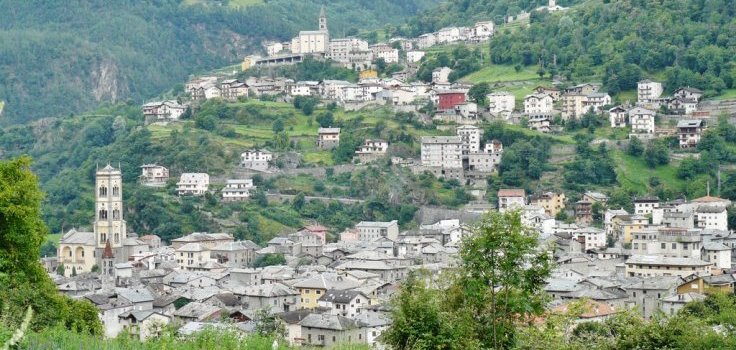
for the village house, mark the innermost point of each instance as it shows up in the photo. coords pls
(304, 88)
(509, 198)
(386, 52)
(371, 150)
(595, 102)
(371, 230)
(208, 240)
(143, 324)
(326, 330)
(688, 93)
(483, 30)
(500, 102)
(583, 212)
(551, 202)
(163, 111)
(711, 217)
(231, 89)
(154, 175)
(553, 92)
(617, 117)
(256, 159)
(344, 50)
(328, 138)
(313, 288)
(536, 105)
(471, 136)
(442, 155)
(657, 265)
(237, 190)
(348, 303)
(540, 123)
(441, 75)
(426, 40)
(645, 205)
(195, 184)
(689, 132)
(448, 35)
(641, 120)
(648, 91)
(414, 56)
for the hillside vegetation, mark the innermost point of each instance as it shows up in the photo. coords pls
(62, 57)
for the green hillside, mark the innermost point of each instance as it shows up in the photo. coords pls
(62, 57)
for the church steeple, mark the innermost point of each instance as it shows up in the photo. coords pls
(109, 222)
(322, 19)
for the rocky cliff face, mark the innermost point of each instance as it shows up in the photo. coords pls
(106, 82)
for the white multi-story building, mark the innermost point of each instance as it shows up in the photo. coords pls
(163, 111)
(648, 90)
(441, 75)
(388, 53)
(256, 159)
(483, 30)
(342, 50)
(712, 217)
(510, 198)
(371, 149)
(471, 136)
(442, 151)
(594, 102)
(237, 190)
(448, 35)
(689, 132)
(195, 184)
(617, 117)
(538, 105)
(414, 56)
(641, 120)
(426, 40)
(371, 230)
(501, 101)
(153, 175)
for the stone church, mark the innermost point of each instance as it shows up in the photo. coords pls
(109, 242)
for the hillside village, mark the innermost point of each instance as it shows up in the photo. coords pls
(330, 287)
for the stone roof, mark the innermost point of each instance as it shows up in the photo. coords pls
(76, 237)
(196, 310)
(511, 192)
(662, 260)
(138, 295)
(341, 296)
(331, 322)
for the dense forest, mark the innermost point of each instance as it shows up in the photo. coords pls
(62, 57)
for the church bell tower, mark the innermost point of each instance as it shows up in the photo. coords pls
(109, 223)
(322, 19)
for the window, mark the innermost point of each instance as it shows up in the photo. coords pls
(664, 245)
(103, 191)
(116, 191)
(103, 214)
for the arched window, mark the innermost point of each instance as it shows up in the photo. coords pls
(116, 191)
(116, 214)
(103, 191)
(117, 238)
(103, 214)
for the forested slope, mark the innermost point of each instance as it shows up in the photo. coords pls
(60, 57)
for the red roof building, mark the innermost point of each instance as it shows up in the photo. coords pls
(450, 99)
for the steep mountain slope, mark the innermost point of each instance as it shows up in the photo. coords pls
(60, 57)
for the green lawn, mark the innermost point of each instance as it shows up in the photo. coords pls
(727, 94)
(634, 174)
(231, 3)
(319, 158)
(501, 73)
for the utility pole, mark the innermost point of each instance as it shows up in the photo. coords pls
(718, 177)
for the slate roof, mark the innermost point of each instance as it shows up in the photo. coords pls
(331, 322)
(341, 296)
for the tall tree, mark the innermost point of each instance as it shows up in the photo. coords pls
(23, 281)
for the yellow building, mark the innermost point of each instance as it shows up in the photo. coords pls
(551, 202)
(313, 288)
(368, 74)
(625, 225)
